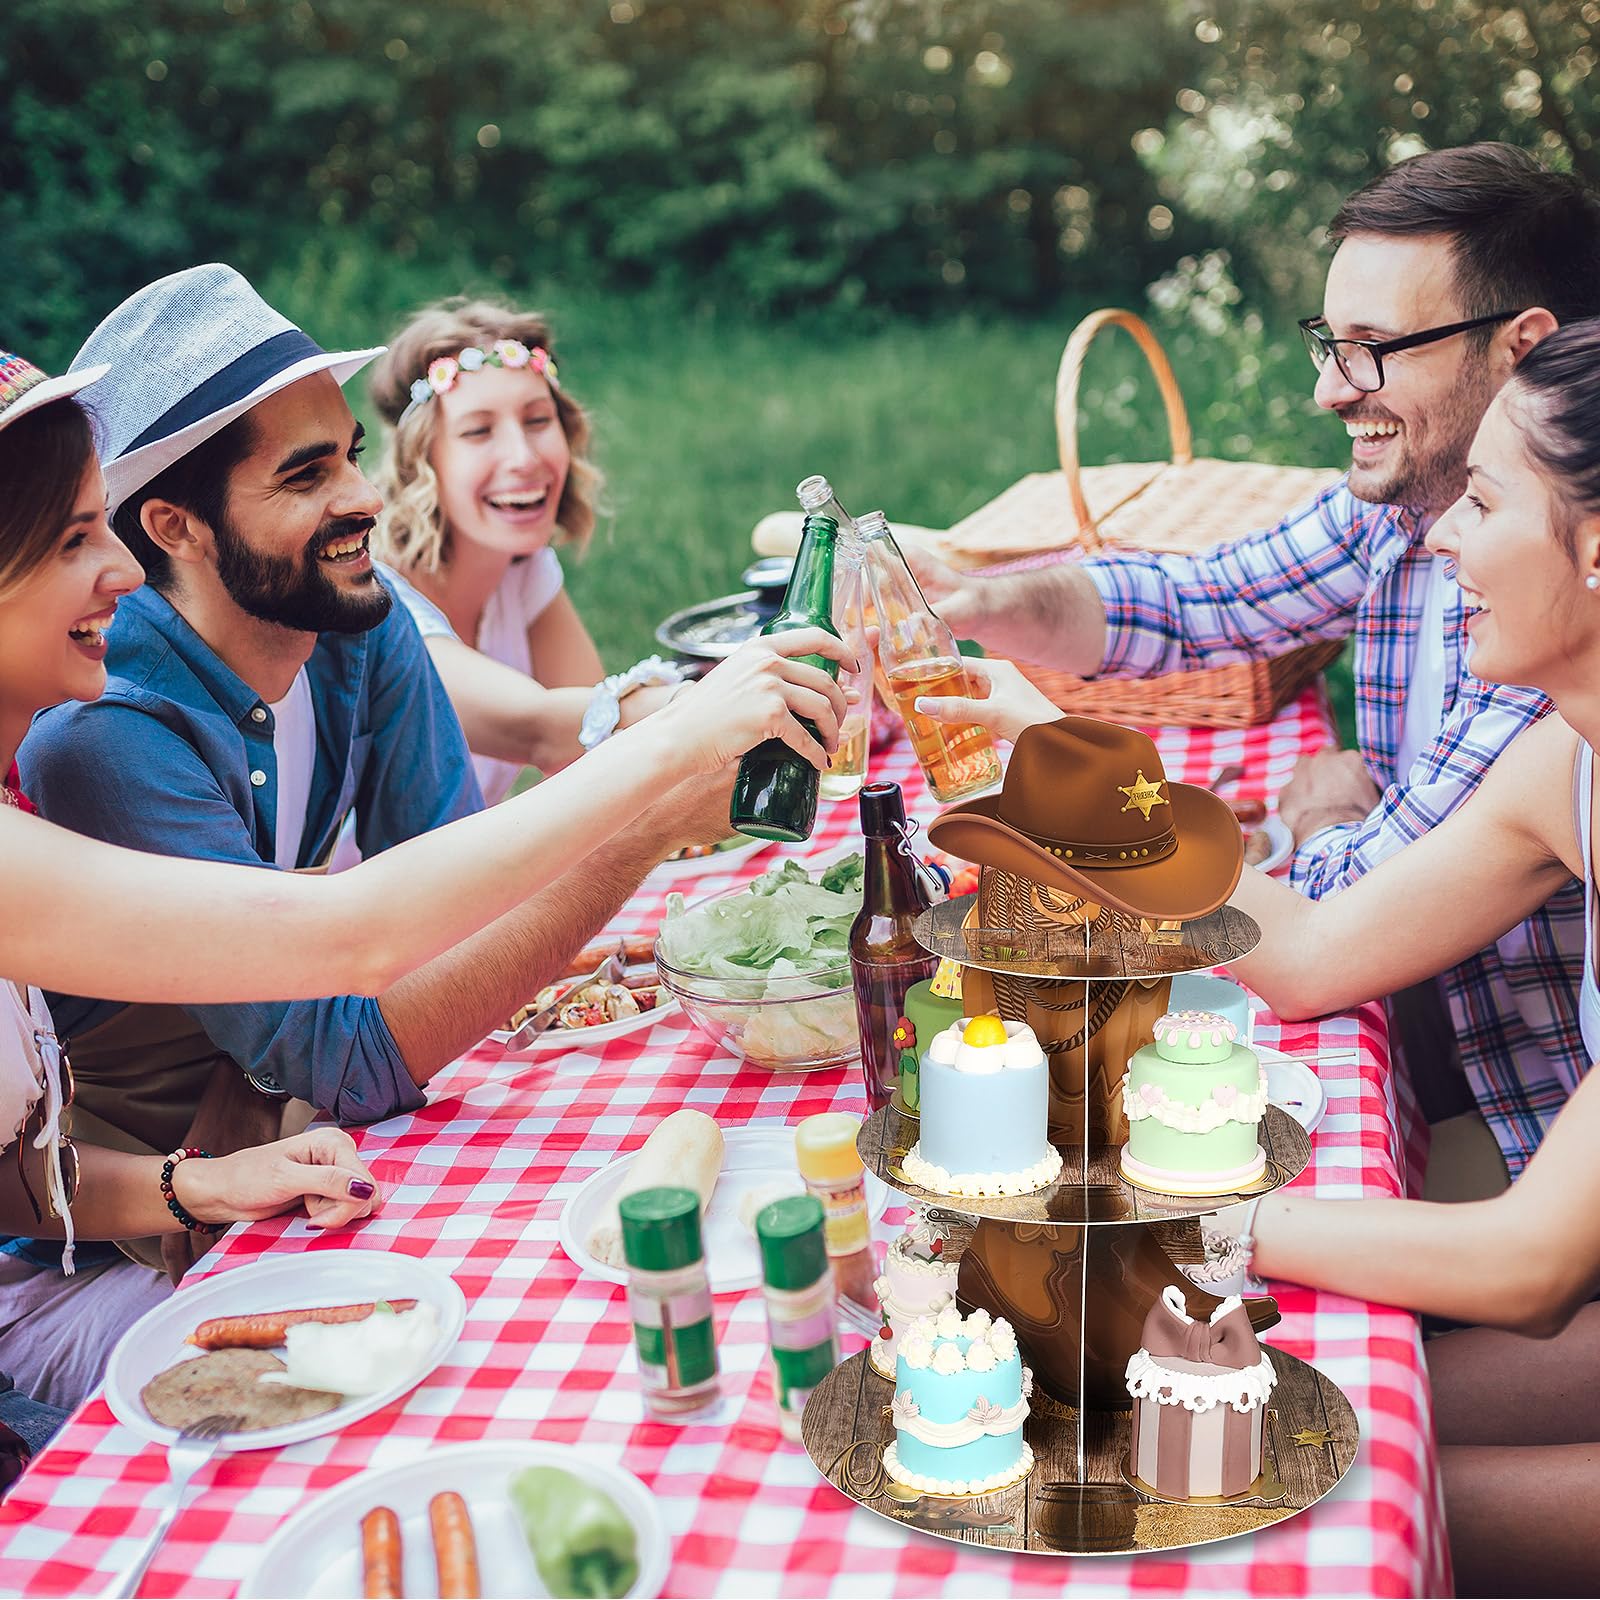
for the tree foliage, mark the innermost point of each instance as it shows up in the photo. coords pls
(911, 154)
(1299, 102)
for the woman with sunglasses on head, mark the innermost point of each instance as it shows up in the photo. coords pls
(84, 916)
(487, 471)
(1517, 1418)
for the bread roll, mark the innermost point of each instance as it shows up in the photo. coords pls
(684, 1152)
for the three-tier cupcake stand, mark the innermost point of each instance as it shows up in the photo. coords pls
(1076, 1266)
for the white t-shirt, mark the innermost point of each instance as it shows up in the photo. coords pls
(520, 597)
(294, 743)
(1425, 697)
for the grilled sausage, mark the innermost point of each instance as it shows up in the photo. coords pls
(455, 1549)
(262, 1330)
(382, 1567)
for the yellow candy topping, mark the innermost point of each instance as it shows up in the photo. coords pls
(984, 1030)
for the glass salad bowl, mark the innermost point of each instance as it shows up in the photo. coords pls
(783, 1018)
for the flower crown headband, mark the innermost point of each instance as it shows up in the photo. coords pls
(445, 371)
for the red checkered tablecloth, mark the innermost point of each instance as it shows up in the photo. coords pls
(476, 1182)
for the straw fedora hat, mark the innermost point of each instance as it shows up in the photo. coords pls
(187, 355)
(1086, 807)
(24, 388)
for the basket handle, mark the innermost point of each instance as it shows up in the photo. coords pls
(1067, 377)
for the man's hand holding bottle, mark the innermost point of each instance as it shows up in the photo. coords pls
(758, 693)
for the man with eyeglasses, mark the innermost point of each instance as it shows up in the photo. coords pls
(1447, 270)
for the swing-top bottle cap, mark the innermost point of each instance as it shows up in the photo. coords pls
(883, 809)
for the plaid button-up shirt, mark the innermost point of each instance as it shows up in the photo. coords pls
(1341, 565)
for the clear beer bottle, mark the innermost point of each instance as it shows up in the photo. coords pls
(920, 661)
(843, 780)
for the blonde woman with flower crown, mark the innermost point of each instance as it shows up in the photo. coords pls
(487, 472)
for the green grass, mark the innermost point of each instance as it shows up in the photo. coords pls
(705, 422)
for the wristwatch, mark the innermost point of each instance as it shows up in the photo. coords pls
(604, 711)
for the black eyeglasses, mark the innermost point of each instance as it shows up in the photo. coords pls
(1361, 360)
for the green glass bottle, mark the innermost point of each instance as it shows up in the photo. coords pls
(775, 793)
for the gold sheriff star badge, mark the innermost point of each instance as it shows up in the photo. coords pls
(1313, 1436)
(1143, 794)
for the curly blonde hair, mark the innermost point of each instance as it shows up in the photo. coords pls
(411, 530)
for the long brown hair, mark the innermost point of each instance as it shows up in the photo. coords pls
(411, 531)
(1554, 395)
(43, 457)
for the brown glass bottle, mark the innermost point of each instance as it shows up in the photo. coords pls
(885, 958)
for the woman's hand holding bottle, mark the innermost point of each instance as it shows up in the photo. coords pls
(1008, 704)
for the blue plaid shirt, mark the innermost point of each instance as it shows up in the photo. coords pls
(1340, 566)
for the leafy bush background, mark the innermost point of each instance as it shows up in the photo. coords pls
(905, 156)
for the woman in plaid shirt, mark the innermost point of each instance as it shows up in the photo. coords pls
(1450, 267)
(1515, 1409)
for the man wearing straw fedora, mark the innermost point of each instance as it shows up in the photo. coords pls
(261, 686)
(1447, 269)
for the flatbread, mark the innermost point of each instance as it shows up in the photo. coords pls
(226, 1383)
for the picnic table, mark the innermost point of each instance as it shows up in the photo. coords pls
(476, 1181)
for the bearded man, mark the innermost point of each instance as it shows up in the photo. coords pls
(1448, 268)
(262, 688)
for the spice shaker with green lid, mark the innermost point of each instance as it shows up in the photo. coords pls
(669, 1299)
(798, 1284)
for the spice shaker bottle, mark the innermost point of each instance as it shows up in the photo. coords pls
(669, 1300)
(825, 1152)
(800, 1302)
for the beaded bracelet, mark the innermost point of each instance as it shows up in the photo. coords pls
(174, 1204)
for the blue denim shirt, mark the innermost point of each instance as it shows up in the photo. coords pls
(176, 757)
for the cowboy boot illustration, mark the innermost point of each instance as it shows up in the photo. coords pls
(1033, 1275)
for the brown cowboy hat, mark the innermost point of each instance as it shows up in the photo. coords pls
(1086, 807)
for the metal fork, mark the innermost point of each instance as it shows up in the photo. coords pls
(190, 1451)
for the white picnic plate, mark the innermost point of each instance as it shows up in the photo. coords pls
(717, 861)
(1277, 830)
(314, 1278)
(753, 1158)
(317, 1552)
(1293, 1087)
(518, 1045)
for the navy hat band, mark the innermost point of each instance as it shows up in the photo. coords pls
(241, 377)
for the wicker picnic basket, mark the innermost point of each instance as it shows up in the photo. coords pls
(1181, 505)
